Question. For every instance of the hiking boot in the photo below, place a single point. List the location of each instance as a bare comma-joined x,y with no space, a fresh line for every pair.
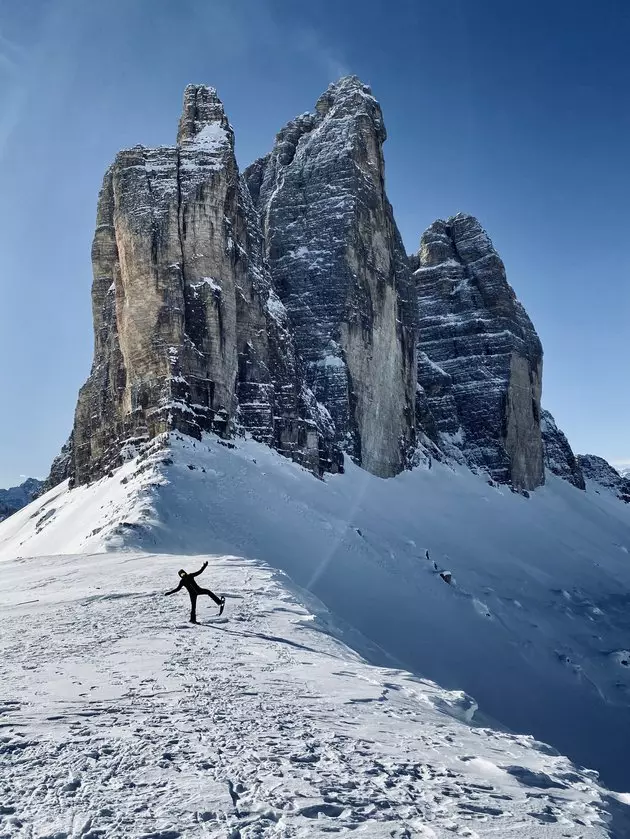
222,605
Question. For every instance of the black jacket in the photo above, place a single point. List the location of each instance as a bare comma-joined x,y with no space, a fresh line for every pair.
189,583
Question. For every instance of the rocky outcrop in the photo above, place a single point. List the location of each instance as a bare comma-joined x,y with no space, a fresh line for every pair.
559,457
340,269
14,498
601,473
282,304
189,333
62,468
479,358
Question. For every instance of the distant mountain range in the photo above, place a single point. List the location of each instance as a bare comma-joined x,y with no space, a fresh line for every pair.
14,498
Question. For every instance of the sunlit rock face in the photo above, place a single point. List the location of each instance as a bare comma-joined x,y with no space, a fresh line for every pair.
281,303
189,333
479,357
338,264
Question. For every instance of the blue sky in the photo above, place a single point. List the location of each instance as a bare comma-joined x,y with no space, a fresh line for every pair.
514,111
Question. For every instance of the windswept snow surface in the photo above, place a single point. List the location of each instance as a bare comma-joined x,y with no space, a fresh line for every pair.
535,623
121,719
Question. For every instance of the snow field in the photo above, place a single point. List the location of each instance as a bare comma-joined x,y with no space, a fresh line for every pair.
121,719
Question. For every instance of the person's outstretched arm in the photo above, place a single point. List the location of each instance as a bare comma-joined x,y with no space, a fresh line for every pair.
175,589
201,570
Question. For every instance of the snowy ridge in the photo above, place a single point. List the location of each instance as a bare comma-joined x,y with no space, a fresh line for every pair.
258,724
536,584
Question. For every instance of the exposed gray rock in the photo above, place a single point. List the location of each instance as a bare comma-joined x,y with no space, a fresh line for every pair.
479,358
282,304
599,471
339,266
61,469
559,457
14,498
189,333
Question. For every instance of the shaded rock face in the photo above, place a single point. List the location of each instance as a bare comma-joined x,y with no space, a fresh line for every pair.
61,469
479,358
339,267
559,457
189,333
599,471
14,498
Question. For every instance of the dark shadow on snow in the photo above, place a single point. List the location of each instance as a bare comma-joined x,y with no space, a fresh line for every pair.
263,637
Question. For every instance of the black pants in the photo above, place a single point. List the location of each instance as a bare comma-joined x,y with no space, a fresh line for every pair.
193,601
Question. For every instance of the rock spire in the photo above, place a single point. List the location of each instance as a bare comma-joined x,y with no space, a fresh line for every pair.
189,333
339,266
479,358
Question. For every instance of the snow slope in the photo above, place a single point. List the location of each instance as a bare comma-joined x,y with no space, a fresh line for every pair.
535,624
121,719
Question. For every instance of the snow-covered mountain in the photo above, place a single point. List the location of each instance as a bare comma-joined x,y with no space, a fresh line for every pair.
534,623
605,477
249,331
307,708
15,498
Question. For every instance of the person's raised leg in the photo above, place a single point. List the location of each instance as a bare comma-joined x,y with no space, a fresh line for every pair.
220,601
211,594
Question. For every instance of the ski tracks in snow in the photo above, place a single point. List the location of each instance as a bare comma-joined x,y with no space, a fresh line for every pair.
120,719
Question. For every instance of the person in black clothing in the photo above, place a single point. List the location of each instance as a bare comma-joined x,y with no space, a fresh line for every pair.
188,582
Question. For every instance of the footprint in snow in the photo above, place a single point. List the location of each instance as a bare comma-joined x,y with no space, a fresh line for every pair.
481,608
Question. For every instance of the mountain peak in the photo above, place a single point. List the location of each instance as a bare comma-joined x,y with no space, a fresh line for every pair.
203,116
350,96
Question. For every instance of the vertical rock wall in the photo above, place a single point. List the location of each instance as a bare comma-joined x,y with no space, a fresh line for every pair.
189,333
339,266
282,303
479,358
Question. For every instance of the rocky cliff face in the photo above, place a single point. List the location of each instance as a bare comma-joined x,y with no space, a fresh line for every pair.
479,358
282,303
559,457
61,468
189,333
14,498
339,267
599,471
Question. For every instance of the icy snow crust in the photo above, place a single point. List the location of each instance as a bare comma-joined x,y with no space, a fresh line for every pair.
534,626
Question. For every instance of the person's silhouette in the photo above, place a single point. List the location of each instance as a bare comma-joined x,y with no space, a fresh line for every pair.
188,582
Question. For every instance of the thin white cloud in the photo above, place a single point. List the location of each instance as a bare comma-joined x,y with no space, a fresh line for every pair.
310,43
